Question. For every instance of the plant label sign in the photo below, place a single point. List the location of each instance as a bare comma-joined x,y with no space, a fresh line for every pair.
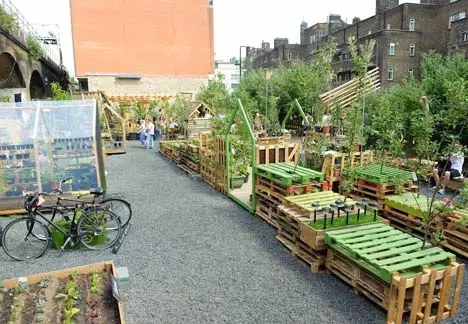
415,176
115,288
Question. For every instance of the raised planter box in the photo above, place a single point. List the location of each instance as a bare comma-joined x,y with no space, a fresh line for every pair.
456,233
43,296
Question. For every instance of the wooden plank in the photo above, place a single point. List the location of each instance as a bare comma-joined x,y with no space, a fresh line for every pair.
417,301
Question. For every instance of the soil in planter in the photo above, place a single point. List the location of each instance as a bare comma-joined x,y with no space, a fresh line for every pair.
102,308
57,310
5,307
48,315
83,287
27,305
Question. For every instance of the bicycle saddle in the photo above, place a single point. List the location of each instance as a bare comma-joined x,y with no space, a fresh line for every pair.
97,191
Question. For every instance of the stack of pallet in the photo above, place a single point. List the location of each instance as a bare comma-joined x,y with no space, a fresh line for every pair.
213,161
277,153
408,210
393,269
171,151
280,180
377,182
455,232
190,158
295,231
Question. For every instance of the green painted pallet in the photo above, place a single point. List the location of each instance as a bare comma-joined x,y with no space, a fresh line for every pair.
373,173
324,198
285,174
413,204
383,250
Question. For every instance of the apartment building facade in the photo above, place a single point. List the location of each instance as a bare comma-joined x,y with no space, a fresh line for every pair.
402,33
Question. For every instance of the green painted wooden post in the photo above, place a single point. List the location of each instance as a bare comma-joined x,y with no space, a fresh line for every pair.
227,140
295,105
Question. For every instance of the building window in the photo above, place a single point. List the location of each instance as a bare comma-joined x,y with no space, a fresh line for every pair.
410,72
391,51
388,26
412,24
458,16
412,49
464,37
390,75
289,56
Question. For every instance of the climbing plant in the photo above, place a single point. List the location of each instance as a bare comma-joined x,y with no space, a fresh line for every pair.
7,20
58,93
35,50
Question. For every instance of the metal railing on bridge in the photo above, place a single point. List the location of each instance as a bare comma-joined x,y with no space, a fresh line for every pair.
25,30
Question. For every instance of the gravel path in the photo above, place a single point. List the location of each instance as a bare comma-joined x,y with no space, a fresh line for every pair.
194,256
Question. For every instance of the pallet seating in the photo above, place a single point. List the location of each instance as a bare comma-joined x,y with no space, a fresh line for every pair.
407,211
424,282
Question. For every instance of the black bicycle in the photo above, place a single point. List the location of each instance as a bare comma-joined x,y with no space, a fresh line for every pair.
94,226
114,202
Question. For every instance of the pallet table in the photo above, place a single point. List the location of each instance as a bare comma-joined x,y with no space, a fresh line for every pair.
407,211
455,232
294,230
376,182
276,181
418,280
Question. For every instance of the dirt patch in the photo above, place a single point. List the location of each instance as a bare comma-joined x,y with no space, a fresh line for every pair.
28,305
102,308
7,301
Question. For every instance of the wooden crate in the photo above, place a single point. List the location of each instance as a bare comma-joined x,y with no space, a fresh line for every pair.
456,235
422,282
277,153
107,266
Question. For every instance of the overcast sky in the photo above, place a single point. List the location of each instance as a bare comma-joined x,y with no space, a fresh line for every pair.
237,22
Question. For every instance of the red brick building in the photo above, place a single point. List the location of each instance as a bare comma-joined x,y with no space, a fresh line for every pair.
143,46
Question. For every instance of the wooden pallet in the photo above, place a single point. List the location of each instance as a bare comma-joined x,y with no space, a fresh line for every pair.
456,235
303,203
267,210
278,192
376,174
285,174
334,163
316,261
277,153
430,296
383,250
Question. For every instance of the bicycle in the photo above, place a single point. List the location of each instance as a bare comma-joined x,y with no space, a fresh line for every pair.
119,206
27,238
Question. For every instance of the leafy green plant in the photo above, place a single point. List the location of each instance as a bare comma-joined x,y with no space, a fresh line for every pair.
44,283
95,279
4,98
71,294
35,50
58,93
8,20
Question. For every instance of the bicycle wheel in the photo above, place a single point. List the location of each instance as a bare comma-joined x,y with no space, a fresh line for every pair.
122,208
22,239
99,228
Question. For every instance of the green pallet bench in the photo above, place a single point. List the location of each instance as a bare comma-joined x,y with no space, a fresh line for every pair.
374,173
383,250
413,204
285,174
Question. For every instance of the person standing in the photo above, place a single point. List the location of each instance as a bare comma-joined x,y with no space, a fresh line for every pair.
150,134
142,132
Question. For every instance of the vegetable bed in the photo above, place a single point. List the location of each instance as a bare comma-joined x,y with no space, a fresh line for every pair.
76,295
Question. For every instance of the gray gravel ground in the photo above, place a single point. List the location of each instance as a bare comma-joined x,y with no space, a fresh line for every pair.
194,256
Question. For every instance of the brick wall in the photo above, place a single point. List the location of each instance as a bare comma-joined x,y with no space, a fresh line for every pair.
155,38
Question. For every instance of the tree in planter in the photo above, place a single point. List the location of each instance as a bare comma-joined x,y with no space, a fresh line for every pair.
215,95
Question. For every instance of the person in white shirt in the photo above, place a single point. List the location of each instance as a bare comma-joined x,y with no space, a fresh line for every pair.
142,132
150,134
455,170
